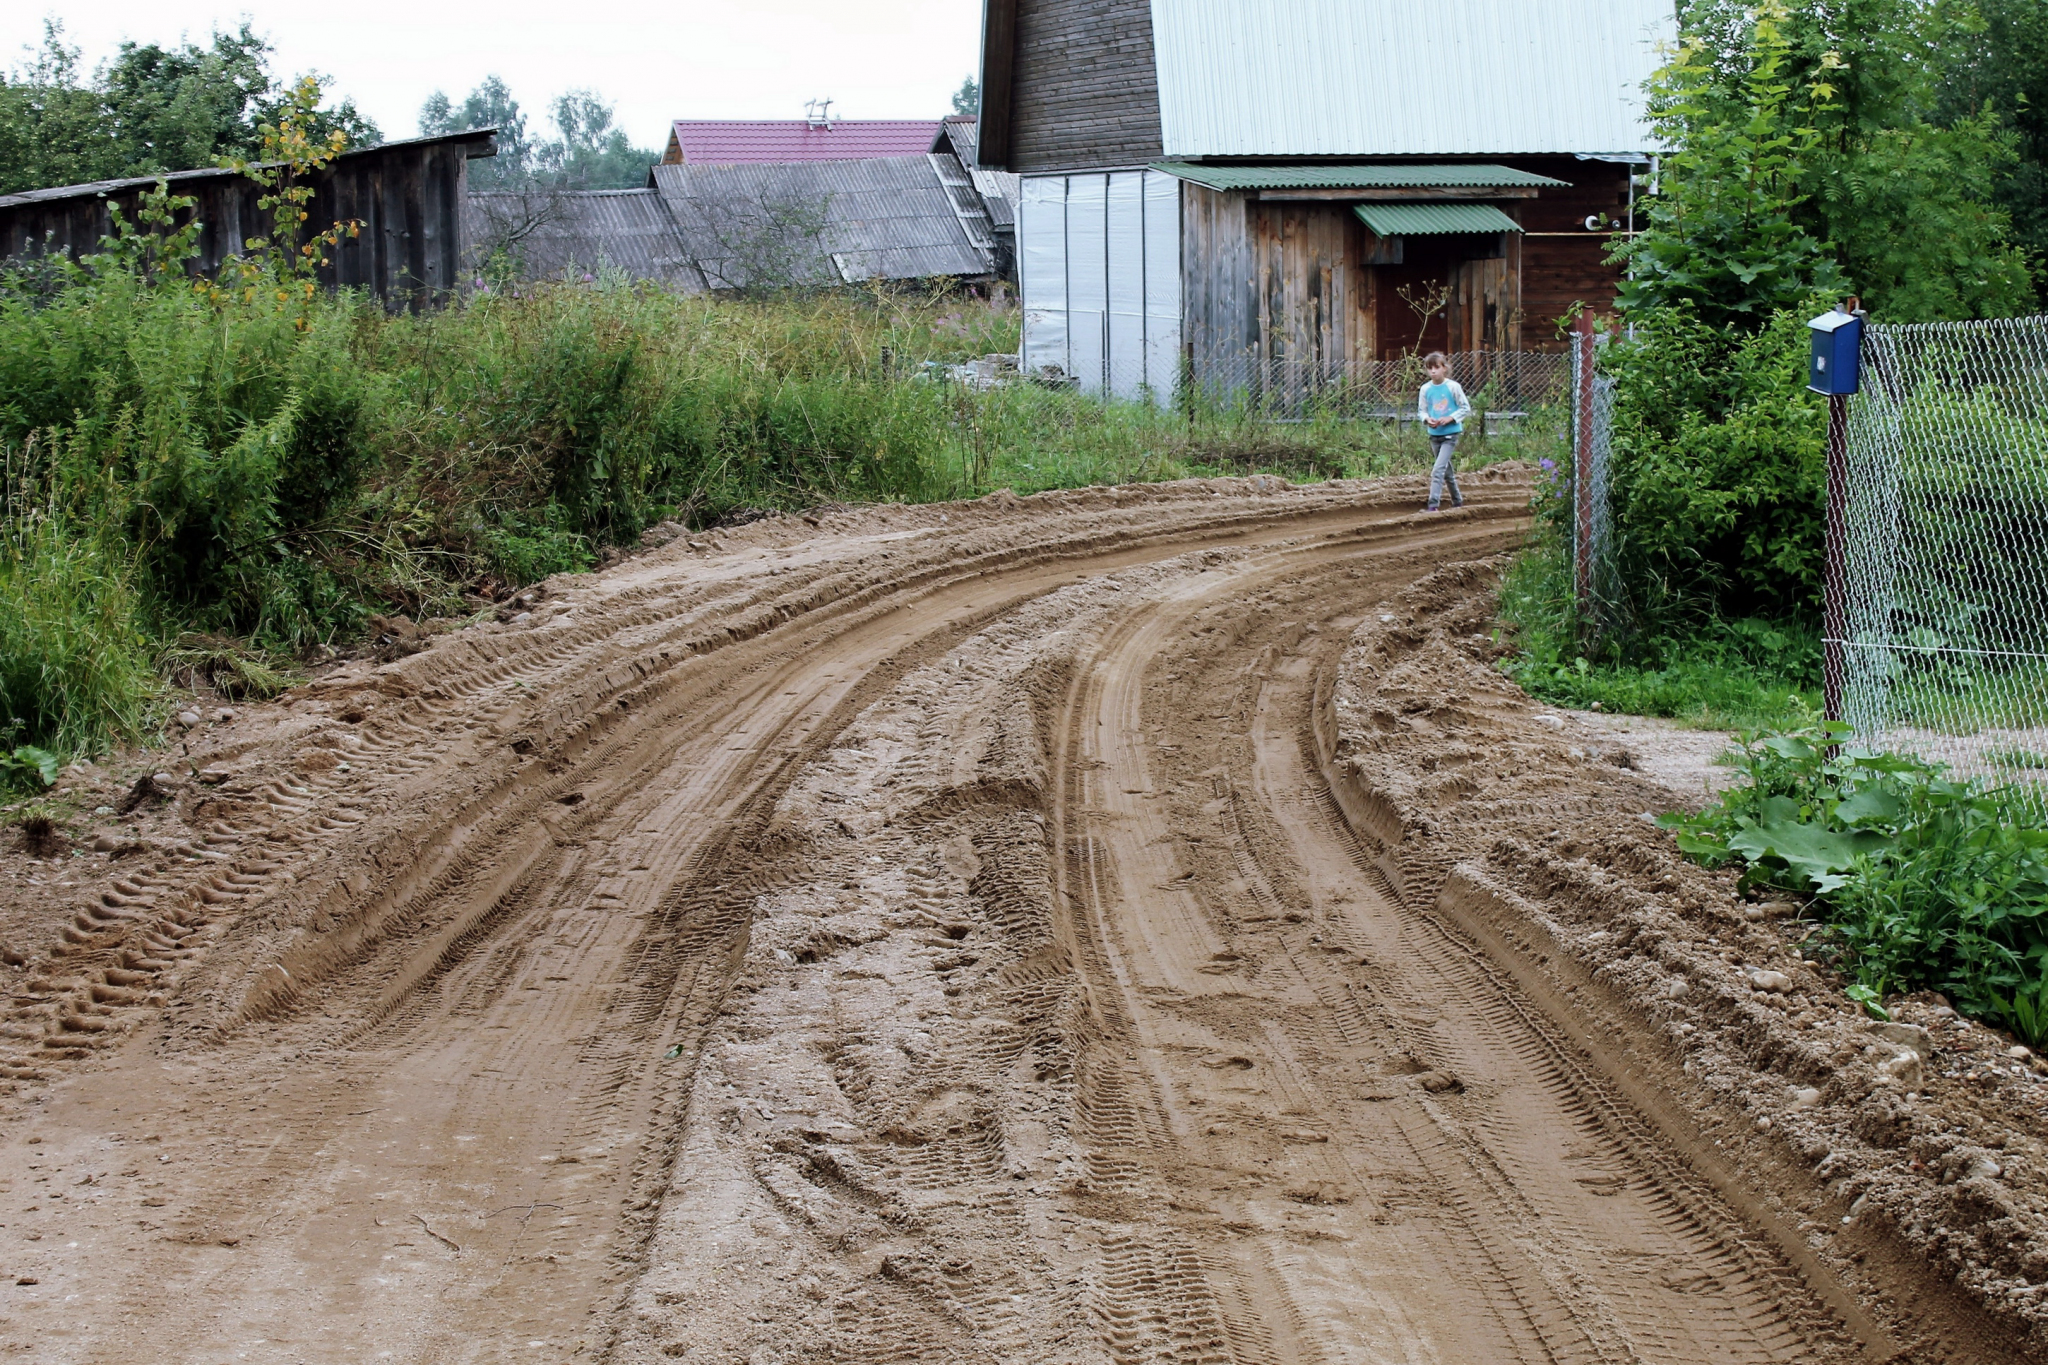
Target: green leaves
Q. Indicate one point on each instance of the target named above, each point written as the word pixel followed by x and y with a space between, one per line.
pixel 1811 852
pixel 28 763
pixel 1924 881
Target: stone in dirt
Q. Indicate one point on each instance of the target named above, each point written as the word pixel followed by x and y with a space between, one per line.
pixel 1912 1037
pixel 1905 1070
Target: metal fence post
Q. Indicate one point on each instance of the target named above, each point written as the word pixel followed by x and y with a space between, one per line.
pixel 1834 586
pixel 1582 462
pixel 1838 377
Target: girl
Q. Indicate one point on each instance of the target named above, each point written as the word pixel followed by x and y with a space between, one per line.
pixel 1443 408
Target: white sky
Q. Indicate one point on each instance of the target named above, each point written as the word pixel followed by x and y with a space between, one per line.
pixel 684 59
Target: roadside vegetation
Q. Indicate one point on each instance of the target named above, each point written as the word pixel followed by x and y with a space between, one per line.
pixel 1917 880
pixel 1875 147
pixel 1878 148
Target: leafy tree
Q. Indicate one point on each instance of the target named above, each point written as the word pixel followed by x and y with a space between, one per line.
pixel 53 127
pixel 591 153
pixel 490 105
pixel 1723 234
pixel 1815 132
pixel 2000 64
pixel 967 99
pixel 178 108
pixel 149 110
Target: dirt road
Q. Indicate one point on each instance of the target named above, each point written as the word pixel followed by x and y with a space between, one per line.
pixel 928 936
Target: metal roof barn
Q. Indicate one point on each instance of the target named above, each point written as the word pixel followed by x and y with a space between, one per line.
pixel 1452 78
pixel 752 142
pixel 890 218
pixel 1403 176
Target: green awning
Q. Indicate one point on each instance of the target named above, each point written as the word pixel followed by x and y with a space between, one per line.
pixel 1435 220
pixel 1393 176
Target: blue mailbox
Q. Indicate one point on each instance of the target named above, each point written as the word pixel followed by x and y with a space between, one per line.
pixel 1837 343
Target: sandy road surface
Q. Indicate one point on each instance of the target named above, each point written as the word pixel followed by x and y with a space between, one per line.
pixel 910 939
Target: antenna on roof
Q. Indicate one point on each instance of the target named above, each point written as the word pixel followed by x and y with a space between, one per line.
pixel 818 113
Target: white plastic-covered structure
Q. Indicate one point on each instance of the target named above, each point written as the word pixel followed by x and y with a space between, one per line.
pixel 1099 270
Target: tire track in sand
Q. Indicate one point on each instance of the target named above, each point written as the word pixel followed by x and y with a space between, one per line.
pixel 443 1143
pixel 1329 1092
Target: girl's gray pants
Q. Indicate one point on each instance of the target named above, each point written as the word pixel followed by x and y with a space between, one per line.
pixel 1441 473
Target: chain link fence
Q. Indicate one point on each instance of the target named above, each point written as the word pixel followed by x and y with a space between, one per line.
pixel 1944 569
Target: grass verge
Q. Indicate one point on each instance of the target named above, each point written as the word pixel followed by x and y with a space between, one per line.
pixel 1720 675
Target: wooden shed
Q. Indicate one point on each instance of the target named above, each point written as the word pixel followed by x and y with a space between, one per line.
pixel 408 196
pixel 1251 190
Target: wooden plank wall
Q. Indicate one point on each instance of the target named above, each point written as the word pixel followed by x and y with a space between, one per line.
pixel 1087 91
pixel 408 196
pixel 1559 271
pixel 1315 296
pixel 1219 282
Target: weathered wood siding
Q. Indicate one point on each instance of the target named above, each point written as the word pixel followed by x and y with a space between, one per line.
pixel 1570 267
pixel 1315 293
pixel 407 196
pixel 1086 90
pixel 1219 282
pixel 1280 287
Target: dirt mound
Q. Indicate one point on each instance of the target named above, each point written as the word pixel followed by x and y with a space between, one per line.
pixel 1048 928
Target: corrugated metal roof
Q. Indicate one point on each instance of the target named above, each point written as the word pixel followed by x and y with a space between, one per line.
pixel 1434 220
pixel 885 217
pixel 1392 78
pixel 752 142
pixel 999 189
pixel 1394 176
pixel 553 231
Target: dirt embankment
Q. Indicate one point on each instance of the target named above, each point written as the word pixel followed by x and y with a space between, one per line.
pixel 1124 925
pixel 1902 1162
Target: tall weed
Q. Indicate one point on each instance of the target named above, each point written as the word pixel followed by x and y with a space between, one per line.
pixel 74 664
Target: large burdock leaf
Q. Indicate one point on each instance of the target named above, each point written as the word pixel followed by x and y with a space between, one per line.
pixel 1814 851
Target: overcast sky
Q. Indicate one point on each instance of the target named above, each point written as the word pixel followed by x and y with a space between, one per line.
pixel 685 59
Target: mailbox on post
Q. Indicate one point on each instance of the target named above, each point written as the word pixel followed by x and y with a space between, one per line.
pixel 1837 342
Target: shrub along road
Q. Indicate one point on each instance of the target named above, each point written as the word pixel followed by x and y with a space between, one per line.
pixel 1126 924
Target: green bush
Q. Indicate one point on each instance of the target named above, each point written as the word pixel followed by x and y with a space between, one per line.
pixel 1924 881
pixel 1718 476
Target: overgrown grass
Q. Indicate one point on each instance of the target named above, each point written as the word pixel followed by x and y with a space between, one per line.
pixel 74 667
pixel 267 469
pixel 1923 881
pixel 1719 675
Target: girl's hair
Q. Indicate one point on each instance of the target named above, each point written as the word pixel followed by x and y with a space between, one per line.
pixel 1436 358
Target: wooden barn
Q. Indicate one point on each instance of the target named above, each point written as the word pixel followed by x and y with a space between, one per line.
pixel 1262 188
pixel 408 196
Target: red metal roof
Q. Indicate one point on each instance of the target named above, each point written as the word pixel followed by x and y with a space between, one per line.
pixel 745 142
